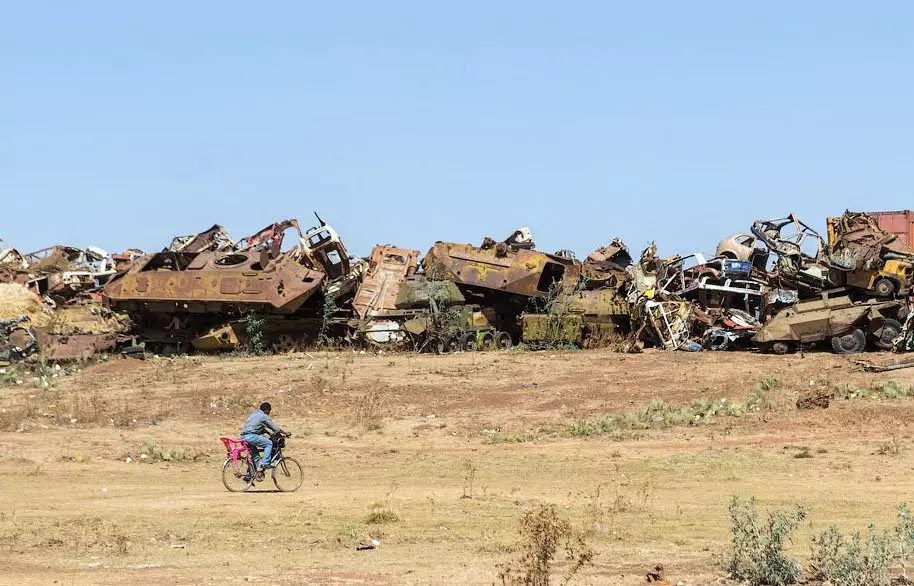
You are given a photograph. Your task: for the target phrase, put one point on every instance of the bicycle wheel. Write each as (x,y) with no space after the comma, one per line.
(288,475)
(237,476)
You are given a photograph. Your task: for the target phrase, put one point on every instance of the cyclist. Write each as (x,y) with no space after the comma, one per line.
(256,425)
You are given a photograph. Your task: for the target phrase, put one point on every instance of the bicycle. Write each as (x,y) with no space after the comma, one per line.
(239,471)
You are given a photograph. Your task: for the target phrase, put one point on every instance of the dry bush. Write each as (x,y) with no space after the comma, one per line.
(367,409)
(543,532)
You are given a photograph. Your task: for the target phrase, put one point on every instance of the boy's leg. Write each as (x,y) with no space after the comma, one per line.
(267,453)
(261,442)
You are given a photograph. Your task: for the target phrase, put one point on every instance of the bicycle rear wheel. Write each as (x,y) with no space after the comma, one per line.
(237,476)
(288,475)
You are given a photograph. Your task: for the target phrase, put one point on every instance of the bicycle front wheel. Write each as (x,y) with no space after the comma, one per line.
(237,476)
(288,475)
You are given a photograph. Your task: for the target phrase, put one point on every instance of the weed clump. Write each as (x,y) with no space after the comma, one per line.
(846,561)
(659,413)
(253,328)
(542,533)
(380,514)
(758,555)
(878,390)
(367,410)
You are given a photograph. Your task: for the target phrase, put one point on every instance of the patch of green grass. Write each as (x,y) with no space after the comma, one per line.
(878,390)
(380,514)
(659,413)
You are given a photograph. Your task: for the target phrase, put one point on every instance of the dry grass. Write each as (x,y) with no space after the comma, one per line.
(658,498)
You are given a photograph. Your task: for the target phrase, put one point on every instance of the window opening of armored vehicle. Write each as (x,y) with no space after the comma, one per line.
(169,261)
(231,260)
(334,257)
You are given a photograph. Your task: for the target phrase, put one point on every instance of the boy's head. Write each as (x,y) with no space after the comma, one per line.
(265,407)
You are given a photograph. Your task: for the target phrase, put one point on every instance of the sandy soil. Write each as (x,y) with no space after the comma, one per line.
(457,447)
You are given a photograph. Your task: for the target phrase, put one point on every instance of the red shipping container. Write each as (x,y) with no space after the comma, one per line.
(899,223)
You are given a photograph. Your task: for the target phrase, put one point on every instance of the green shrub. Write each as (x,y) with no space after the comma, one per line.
(849,562)
(758,548)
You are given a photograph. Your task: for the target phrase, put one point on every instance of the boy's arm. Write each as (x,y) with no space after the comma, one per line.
(271,424)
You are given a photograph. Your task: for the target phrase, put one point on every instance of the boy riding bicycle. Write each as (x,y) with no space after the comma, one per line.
(256,425)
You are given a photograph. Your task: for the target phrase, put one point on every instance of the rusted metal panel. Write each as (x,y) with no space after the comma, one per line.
(607,266)
(203,282)
(215,239)
(519,271)
(387,269)
(75,346)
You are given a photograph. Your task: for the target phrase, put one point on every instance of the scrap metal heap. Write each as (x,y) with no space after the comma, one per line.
(488,296)
(198,294)
(778,286)
(864,257)
(56,292)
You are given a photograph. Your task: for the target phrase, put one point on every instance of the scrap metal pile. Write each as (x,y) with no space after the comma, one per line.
(779,286)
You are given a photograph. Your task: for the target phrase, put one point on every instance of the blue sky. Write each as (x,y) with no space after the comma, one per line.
(123,123)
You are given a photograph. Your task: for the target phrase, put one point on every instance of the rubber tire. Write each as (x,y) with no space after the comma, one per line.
(488,341)
(780,348)
(850,343)
(468,342)
(884,287)
(291,464)
(228,471)
(892,326)
(503,341)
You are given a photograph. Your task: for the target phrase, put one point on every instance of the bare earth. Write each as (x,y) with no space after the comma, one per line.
(420,435)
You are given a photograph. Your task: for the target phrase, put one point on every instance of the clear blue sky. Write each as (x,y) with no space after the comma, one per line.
(124,123)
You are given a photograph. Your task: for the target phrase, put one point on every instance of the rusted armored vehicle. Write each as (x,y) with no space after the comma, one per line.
(503,276)
(501,269)
(396,306)
(834,317)
(585,318)
(177,299)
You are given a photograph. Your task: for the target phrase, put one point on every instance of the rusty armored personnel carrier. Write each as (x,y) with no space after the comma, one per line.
(177,298)
(397,306)
(505,276)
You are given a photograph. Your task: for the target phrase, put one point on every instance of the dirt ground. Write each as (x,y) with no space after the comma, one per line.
(456,447)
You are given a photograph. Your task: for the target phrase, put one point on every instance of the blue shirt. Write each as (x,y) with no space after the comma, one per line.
(258,423)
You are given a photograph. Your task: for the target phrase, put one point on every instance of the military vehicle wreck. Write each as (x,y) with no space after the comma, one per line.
(178,298)
(834,317)
(539,297)
(470,298)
